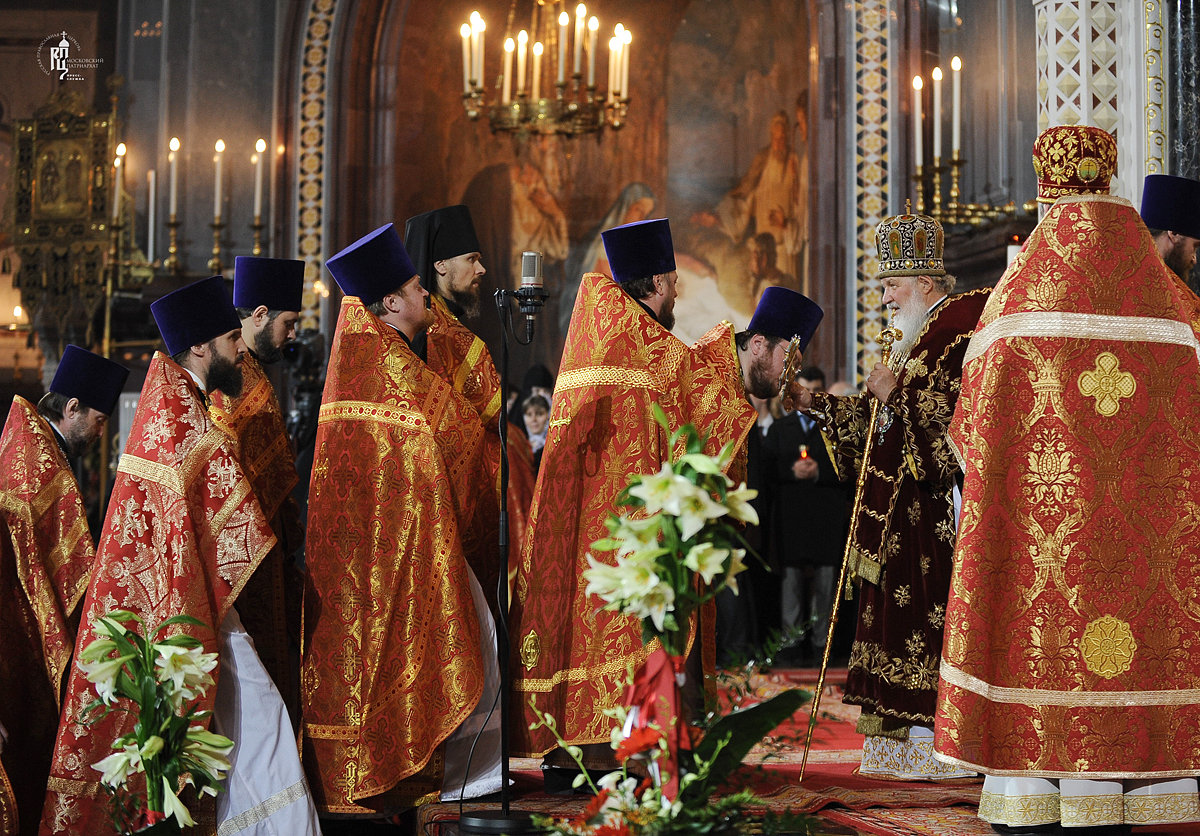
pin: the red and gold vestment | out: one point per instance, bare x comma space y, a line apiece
46, 558
462, 359
183, 534
1074, 613
902, 536
394, 665
570, 656
269, 605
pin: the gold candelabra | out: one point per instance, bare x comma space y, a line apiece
257, 226
172, 264
214, 263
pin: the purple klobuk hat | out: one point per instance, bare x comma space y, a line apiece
195, 314
96, 381
639, 249
373, 266
1172, 203
277, 283
784, 313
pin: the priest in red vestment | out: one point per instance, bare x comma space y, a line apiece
46, 557
570, 657
183, 534
446, 253
892, 441
1068, 673
266, 296
401, 668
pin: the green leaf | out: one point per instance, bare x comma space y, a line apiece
700, 463
179, 619
734, 735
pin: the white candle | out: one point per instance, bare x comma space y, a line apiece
220, 146
465, 31
614, 61
522, 46
478, 27
593, 27
507, 80
260, 147
918, 151
627, 38
937, 115
563, 18
538, 49
580, 22
116, 205
956, 106
172, 160
151, 203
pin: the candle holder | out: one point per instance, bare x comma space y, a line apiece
937, 189
257, 226
473, 101
919, 179
214, 263
953, 208
172, 264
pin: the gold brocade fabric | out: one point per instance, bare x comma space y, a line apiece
46, 558
461, 358
183, 534
270, 603
569, 655
901, 541
394, 665
1074, 613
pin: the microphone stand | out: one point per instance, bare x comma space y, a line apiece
529, 300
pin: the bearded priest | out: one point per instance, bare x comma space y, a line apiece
266, 296
1068, 673
570, 657
892, 441
183, 534
403, 648
46, 555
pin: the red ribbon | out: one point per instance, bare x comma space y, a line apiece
655, 693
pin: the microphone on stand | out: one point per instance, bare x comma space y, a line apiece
532, 295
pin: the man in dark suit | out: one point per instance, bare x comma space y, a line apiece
809, 517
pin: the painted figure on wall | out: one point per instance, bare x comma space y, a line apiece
635, 203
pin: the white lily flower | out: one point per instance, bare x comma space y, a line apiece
208, 749
117, 767
706, 560
635, 534
187, 669
603, 580
103, 674
664, 491
172, 806
695, 512
736, 567
654, 604
738, 502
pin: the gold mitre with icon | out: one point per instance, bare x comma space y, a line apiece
910, 245
1072, 160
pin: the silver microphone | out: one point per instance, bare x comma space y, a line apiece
531, 295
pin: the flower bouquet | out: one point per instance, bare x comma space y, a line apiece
677, 547
162, 677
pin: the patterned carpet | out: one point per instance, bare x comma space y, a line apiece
845, 802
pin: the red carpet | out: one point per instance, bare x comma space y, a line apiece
831, 781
